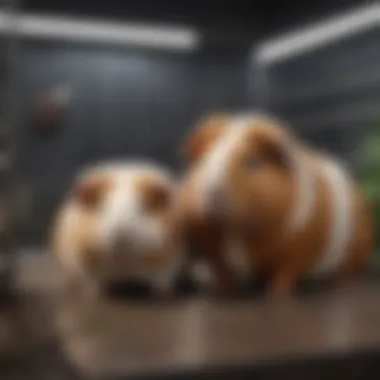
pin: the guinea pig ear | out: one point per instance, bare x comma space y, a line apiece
202, 137
277, 148
89, 191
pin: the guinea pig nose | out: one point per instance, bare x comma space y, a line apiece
122, 239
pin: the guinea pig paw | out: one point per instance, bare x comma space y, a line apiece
281, 288
202, 276
163, 288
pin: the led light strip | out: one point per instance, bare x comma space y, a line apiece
74, 29
319, 34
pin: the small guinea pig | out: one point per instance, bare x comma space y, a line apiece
116, 223
256, 199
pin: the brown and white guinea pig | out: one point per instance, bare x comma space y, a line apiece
256, 199
115, 223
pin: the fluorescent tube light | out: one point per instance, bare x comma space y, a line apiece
91, 31
319, 34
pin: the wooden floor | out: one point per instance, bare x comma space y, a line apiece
129, 336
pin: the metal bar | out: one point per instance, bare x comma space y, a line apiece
259, 85
9, 116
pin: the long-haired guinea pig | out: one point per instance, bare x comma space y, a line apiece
256, 199
116, 223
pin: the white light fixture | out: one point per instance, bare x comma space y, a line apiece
319, 34
91, 31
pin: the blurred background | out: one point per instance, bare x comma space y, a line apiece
84, 81
137, 93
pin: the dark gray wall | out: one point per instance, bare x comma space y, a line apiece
128, 104
331, 95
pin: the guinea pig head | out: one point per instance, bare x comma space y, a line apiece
248, 170
131, 208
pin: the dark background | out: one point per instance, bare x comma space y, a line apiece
140, 102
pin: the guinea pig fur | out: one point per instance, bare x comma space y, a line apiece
256, 199
116, 223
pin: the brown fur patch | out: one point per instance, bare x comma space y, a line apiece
362, 242
74, 236
260, 179
156, 196
200, 139
90, 191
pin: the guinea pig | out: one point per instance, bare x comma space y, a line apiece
116, 224
257, 200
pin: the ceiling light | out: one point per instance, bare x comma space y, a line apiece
319, 34
91, 31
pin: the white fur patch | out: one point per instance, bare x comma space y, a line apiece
214, 166
122, 209
342, 222
305, 179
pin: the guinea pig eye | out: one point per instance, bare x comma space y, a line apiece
252, 162
156, 199
89, 193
